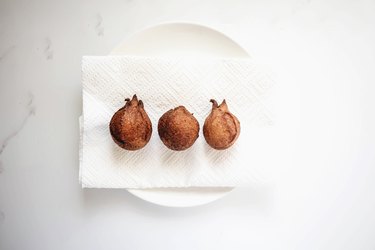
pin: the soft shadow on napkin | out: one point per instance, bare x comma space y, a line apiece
162, 84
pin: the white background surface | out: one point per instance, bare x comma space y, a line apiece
323, 196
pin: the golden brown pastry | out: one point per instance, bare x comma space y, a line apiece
221, 128
130, 126
178, 129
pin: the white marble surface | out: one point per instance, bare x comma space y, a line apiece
323, 196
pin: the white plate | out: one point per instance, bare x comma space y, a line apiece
180, 39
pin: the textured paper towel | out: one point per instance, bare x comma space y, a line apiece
162, 84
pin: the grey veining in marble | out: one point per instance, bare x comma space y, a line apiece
7, 52
30, 111
48, 52
99, 25
2, 217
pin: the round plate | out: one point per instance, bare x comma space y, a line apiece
180, 39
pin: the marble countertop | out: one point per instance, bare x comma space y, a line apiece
323, 55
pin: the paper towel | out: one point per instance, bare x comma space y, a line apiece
162, 84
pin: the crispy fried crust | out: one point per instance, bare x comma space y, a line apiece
221, 128
130, 126
178, 129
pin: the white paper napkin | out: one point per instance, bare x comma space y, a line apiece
162, 84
